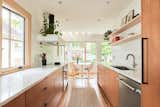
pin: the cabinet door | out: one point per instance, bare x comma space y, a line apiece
100, 76
48, 92
151, 30
57, 88
109, 84
113, 93
18, 102
35, 96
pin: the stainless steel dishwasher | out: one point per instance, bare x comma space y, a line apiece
129, 92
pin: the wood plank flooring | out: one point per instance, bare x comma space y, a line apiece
82, 84
87, 94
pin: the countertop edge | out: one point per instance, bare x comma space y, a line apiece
29, 87
120, 72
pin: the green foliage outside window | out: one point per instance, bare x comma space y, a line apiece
106, 53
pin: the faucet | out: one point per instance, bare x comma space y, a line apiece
134, 58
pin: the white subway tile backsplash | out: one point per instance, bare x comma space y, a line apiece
120, 52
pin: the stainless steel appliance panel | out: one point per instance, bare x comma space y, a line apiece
130, 93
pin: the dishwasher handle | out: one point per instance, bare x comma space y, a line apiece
127, 85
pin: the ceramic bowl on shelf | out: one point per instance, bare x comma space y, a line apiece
116, 38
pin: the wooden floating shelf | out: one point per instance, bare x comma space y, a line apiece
130, 24
127, 39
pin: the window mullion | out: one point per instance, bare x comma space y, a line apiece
9, 40
15, 44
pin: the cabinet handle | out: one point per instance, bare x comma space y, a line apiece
127, 85
45, 104
45, 88
145, 60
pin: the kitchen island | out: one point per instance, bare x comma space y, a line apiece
35, 87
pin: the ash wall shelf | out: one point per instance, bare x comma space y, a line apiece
127, 39
127, 26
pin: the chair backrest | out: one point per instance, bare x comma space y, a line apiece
92, 68
72, 67
75, 67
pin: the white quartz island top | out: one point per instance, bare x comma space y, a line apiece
15, 84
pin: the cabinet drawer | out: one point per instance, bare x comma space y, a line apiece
35, 96
48, 93
18, 102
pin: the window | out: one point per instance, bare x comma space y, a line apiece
90, 52
13, 39
75, 51
84, 52
106, 53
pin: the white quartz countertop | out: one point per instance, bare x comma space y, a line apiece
132, 74
13, 85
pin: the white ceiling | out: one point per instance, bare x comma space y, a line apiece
78, 15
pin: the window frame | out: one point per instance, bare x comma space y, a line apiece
10, 39
16, 8
84, 52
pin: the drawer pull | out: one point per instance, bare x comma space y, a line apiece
45, 88
45, 104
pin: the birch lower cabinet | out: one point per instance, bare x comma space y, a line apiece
107, 80
18, 102
47, 93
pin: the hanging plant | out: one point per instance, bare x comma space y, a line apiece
106, 34
50, 28
44, 30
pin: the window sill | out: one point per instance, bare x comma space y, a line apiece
12, 70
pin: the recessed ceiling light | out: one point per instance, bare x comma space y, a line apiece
108, 1
88, 33
98, 19
60, 2
76, 33
66, 19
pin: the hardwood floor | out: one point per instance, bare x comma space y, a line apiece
83, 84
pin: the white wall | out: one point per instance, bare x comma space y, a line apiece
135, 4
120, 52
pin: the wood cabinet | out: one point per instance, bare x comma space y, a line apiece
100, 75
107, 80
18, 102
58, 89
36, 96
151, 30
47, 93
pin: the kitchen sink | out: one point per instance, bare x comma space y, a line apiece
122, 67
